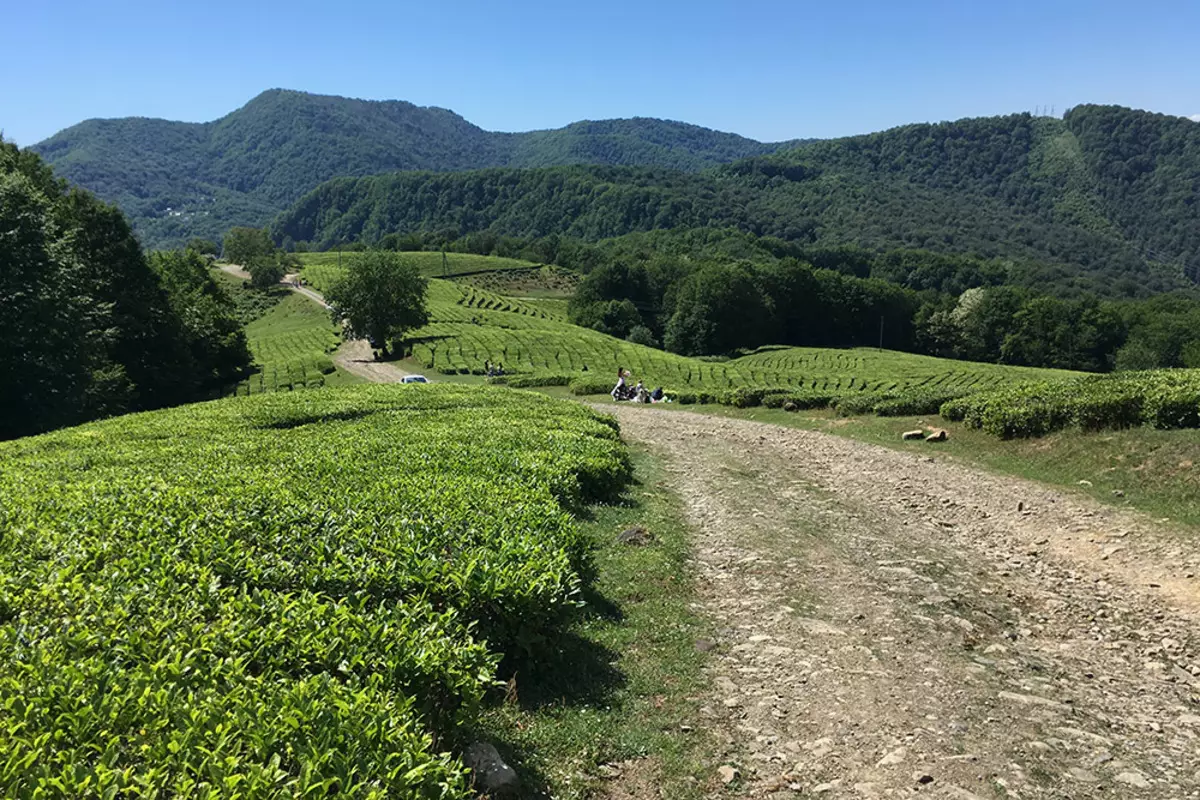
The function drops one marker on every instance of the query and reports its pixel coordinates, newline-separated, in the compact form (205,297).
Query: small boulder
(728,773)
(913,435)
(790,406)
(939,435)
(492,776)
(636,536)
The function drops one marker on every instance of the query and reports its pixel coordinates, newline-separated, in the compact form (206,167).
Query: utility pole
(881,332)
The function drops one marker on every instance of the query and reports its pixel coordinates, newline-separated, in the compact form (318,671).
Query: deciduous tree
(381,297)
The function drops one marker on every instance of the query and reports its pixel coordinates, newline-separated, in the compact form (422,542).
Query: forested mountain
(1105,198)
(176,180)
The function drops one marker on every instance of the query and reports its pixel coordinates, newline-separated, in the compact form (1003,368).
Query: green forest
(1050,196)
(93,326)
(176,180)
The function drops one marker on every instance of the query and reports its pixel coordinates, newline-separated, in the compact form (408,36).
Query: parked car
(414,379)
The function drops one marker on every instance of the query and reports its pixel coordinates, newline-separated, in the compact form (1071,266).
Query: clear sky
(764,69)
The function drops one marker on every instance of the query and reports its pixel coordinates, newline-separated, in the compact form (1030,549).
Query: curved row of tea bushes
(285,595)
(1164,399)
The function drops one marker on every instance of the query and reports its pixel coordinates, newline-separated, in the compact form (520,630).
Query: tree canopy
(90,329)
(381,296)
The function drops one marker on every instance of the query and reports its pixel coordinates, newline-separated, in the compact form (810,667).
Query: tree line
(709,291)
(92,326)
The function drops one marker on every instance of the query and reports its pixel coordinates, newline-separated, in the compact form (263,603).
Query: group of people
(493,370)
(638,393)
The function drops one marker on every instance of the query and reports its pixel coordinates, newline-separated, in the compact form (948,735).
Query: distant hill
(176,179)
(1107,196)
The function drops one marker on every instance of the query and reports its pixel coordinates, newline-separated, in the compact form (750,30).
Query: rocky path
(895,624)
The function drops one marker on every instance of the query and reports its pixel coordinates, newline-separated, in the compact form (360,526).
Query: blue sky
(769,70)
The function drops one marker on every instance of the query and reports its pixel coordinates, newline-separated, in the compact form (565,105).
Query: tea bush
(300,594)
(1164,399)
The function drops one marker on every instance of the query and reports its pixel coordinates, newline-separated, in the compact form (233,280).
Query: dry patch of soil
(894,625)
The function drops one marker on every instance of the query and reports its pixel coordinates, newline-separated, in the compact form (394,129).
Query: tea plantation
(291,344)
(285,595)
(535,343)
(1163,399)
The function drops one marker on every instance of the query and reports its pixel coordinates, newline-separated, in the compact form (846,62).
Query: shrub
(290,591)
(1173,407)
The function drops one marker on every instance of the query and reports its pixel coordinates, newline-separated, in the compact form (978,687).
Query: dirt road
(356,357)
(895,624)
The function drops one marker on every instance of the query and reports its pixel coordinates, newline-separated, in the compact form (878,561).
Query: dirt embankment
(894,624)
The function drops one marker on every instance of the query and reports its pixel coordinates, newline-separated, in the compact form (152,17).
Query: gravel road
(895,624)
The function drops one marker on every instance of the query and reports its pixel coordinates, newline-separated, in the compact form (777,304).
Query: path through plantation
(893,624)
(353,355)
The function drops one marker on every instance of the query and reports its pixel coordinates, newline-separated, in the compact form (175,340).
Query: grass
(1154,471)
(320,268)
(627,682)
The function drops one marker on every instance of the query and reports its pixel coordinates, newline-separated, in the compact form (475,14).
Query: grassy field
(303,594)
(321,268)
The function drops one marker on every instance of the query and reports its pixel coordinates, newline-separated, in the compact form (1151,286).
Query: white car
(414,379)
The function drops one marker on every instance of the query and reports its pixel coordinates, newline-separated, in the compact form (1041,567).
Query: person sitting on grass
(621,391)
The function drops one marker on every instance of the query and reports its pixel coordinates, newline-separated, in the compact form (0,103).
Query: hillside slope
(1034,189)
(178,179)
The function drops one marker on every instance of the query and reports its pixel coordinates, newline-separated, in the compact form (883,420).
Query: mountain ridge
(1106,195)
(179,179)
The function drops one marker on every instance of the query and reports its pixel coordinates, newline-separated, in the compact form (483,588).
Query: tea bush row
(1164,399)
(300,594)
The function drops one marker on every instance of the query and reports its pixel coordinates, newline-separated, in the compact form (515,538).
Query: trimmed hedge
(1165,399)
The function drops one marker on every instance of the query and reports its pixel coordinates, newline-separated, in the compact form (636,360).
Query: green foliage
(285,595)
(640,334)
(1015,189)
(1145,163)
(1161,398)
(211,328)
(179,180)
(205,247)
(291,344)
(380,297)
(91,329)
(244,246)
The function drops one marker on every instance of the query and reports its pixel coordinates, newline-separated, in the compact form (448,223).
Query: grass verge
(617,702)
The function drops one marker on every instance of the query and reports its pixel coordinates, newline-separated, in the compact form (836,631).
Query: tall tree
(242,246)
(381,297)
